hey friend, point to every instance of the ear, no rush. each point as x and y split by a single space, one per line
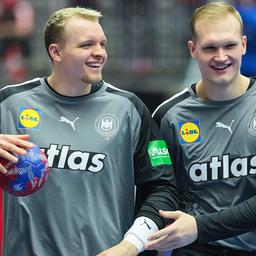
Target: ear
244 43
54 51
191 47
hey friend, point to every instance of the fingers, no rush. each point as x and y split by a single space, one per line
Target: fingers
164 243
161 234
15 144
170 215
181 232
156 243
164 238
2 169
167 230
11 145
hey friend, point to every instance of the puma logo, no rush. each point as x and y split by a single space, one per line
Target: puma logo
146 224
224 126
72 123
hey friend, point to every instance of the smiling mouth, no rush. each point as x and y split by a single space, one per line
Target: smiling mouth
95 64
221 67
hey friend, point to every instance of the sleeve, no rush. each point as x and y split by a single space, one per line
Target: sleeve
226 223
154 176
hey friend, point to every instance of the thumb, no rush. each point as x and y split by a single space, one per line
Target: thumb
170 214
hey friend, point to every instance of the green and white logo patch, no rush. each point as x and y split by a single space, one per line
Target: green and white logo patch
158 153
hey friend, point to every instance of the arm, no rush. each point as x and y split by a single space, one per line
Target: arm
154 182
154 174
226 223
124 248
206 228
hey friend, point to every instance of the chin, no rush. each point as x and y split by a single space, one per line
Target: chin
93 80
223 81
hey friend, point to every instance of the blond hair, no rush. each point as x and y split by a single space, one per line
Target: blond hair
54 28
213 11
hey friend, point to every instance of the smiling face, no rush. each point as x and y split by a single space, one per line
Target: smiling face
81 55
218 48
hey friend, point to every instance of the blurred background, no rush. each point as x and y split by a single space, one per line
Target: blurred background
147 42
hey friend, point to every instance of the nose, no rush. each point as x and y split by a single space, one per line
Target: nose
220 55
99 50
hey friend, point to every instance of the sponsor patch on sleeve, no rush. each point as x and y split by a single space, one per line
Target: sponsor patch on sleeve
158 153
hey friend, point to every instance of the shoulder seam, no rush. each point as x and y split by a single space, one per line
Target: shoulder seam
163 108
9 90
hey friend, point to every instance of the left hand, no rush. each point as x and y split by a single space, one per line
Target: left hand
181 232
124 248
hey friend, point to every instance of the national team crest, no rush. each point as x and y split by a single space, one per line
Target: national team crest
252 125
107 125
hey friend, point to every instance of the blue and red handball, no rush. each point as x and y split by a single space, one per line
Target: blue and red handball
26 176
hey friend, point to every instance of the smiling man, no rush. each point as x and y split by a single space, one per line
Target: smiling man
211 134
101 143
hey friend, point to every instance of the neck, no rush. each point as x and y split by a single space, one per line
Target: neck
67 88
221 92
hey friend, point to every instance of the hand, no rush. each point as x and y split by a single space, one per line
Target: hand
13 144
181 232
124 248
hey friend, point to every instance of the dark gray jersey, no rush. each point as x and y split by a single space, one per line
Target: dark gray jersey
98 148
213 148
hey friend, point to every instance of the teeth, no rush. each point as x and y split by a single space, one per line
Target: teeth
94 65
220 67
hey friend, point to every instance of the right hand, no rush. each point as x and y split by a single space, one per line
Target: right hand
180 233
13 144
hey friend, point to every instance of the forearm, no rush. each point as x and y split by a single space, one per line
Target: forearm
226 223
160 196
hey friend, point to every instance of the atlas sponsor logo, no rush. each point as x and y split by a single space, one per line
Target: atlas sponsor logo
224 168
75 160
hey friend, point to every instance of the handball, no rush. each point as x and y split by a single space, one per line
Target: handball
26 176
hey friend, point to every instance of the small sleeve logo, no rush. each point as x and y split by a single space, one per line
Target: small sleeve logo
158 153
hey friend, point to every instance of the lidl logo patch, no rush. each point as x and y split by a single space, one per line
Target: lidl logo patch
29 118
189 132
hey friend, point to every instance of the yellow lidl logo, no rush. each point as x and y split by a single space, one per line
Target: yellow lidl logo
29 118
189 132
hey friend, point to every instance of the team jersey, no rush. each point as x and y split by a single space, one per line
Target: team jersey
98 147
213 149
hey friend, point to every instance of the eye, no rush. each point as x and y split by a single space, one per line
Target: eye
86 44
103 44
230 45
209 48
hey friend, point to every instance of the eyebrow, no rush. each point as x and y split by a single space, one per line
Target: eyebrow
218 44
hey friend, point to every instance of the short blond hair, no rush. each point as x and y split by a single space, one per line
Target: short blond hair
213 11
54 28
